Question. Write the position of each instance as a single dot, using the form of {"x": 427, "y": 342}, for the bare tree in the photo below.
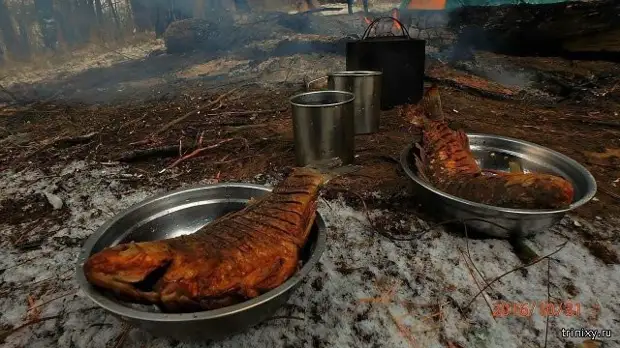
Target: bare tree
{"x": 9, "y": 34}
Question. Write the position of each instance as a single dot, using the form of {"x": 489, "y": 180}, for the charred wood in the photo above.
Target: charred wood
{"x": 575, "y": 30}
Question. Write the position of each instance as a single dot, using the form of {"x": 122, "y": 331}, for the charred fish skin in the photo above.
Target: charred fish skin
{"x": 446, "y": 162}
{"x": 236, "y": 257}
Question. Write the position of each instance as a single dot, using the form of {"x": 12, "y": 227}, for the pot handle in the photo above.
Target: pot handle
{"x": 313, "y": 81}
{"x": 372, "y": 24}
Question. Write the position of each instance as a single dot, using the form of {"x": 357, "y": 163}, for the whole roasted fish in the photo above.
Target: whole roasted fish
{"x": 446, "y": 161}
{"x": 234, "y": 258}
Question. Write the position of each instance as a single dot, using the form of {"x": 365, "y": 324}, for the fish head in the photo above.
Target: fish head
{"x": 130, "y": 270}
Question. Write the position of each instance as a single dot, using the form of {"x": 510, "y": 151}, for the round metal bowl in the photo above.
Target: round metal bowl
{"x": 497, "y": 152}
{"x": 183, "y": 212}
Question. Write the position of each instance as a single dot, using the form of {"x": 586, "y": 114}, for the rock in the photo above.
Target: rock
{"x": 54, "y": 200}
{"x": 189, "y": 35}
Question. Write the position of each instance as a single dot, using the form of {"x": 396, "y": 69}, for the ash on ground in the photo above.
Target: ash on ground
{"x": 366, "y": 290}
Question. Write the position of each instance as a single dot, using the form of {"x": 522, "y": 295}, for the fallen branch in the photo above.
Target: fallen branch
{"x": 199, "y": 150}
{"x": 70, "y": 141}
{"x": 516, "y": 269}
{"x": 163, "y": 151}
{"x": 247, "y": 112}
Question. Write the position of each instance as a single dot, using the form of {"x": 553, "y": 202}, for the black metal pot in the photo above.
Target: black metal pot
{"x": 400, "y": 58}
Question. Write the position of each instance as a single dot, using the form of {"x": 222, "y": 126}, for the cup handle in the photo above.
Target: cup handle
{"x": 313, "y": 81}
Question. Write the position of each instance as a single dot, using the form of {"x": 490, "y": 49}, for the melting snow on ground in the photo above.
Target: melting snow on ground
{"x": 366, "y": 290}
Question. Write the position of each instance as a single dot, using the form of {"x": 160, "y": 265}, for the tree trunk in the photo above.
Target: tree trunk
{"x": 62, "y": 15}
{"x": 558, "y": 29}
{"x": 47, "y": 23}
{"x": 9, "y": 34}
{"x": 114, "y": 15}
{"x": 24, "y": 38}
{"x": 142, "y": 14}
{"x": 99, "y": 13}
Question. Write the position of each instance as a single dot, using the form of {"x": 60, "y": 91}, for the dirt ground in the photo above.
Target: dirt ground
{"x": 248, "y": 127}
{"x": 242, "y": 131}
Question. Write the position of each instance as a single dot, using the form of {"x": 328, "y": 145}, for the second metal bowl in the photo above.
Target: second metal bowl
{"x": 497, "y": 152}
{"x": 183, "y": 212}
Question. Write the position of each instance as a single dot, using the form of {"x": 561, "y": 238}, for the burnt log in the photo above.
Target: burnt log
{"x": 577, "y": 30}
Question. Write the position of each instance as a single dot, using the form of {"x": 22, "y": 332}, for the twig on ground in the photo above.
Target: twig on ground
{"x": 52, "y": 299}
{"x": 247, "y": 112}
{"x": 548, "y": 299}
{"x": 207, "y": 106}
{"x": 163, "y": 151}
{"x": 198, "y": 151}
{"x": 69, "y": 141}
{"x": 416, "y": 236}
{"x": 18, "y": 264}
{"x": 4, "y": 335}
{"x": 120, "y": 339}
{"x": 284, "y": 317}
{"x": 403, "y": 329}
{"x": 469, "y": 255}
{"x": 471, "y": 272}
{"x": 516, "y": 269}
{"x": 33, "y": 313}
{"x": 609, "y": 192}
{"x": 385, "y": 298}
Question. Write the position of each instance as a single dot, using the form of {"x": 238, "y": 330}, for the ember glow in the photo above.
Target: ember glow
{"x": 385, "y": 25}
{"x": 427, "y": 5}
{"x": 396, "y": 15}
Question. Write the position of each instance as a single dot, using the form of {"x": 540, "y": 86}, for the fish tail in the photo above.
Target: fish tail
{"x": 331, "y": 168}
{"x": 431, "y": 104}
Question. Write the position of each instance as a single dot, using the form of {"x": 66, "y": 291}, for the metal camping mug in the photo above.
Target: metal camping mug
{"x": 366, "y": 86}
{"x": 323, "y": 126}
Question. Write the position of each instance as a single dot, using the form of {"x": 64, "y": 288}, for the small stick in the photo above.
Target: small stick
{"x": 469, "y": 255}
{"x": 471, "y": 272}
{"x": 247, "y": 112}
{"x": 196, "y": 152}
{"x": 609, "y": 193}
{"x": 517, "y": 269}
{"x": 182, "y": 118}
{"x": 403, "y": 329}
{"x": 52, "y": 299}
{"x": 548, "y": 299}
{"x": 284, "y": 317}
{"x": 25, "y": 325}
{"x": 121, "y": 337}
{"x": 417, "y": 235}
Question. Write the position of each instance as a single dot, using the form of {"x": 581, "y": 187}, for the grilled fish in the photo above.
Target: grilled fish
{"x": 234, "y": 258}
{"x": 446, "y": 162}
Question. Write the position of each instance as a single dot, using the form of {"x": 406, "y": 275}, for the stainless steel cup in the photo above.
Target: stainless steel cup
{"x": 323, "y": 127}
{"x": 366, "y": 86}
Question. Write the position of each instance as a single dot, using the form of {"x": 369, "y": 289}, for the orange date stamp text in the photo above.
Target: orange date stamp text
{"x": 542, "y": 308}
